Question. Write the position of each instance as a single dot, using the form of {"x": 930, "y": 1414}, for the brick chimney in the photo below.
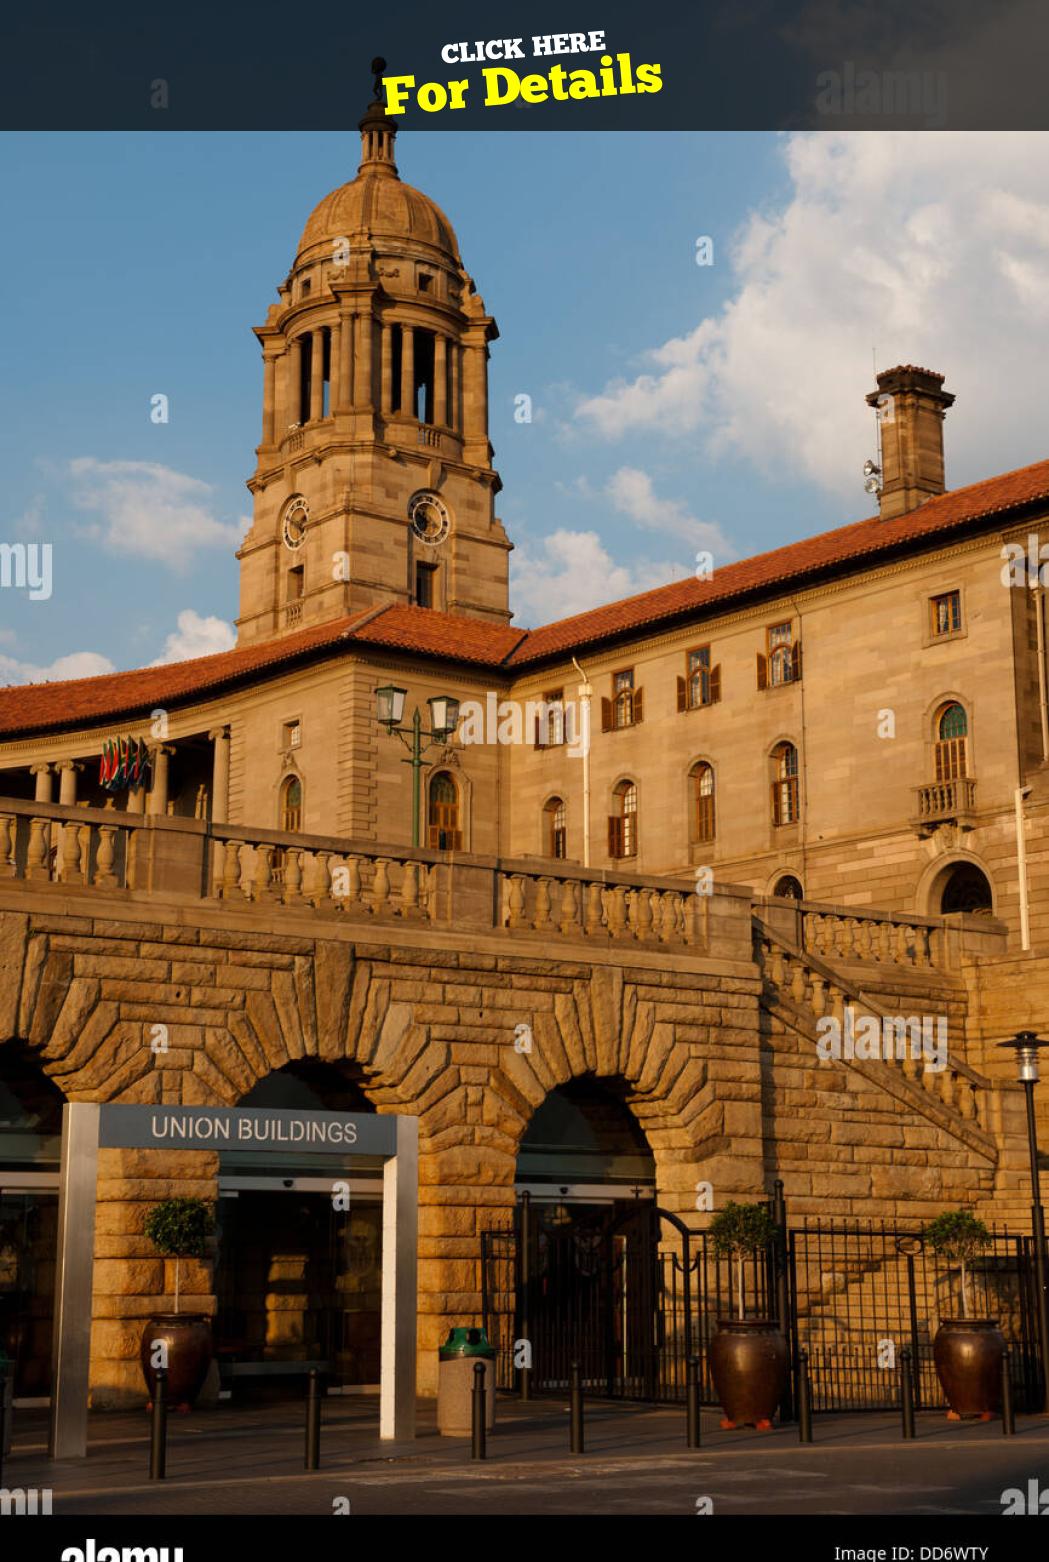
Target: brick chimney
{"x": 911, "y": 403}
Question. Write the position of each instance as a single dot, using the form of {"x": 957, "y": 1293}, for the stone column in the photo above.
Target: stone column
{"x": 440, "y": 379}
{"x": 43, "y": 782}
{"x": 295, "y": 409}
{"x": 220, "y": 775}
{"x": 67, "y": 771}
{"x": 454, "y": 418}
{"x": 269, "y": 377}
{"x": 346, "y": 330}
{"x": 158, "y": 795}
{"x": 475, "y": 392}
{"x": 336, "y": 365}
{"x": 365, "y": 323}
{"x": 317, "y": 376}
{"x": 407, "y": 372}
{"x": 387, "y": 369}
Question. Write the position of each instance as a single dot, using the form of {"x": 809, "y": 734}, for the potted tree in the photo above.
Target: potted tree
{"x": 181, "y": 1342}
{"x": 748, "y": 1356}
{"x": 967, "y": 1351}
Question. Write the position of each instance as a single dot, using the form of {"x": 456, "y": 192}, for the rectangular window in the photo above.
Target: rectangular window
{"x": 624, "y": 708}
{"x": 550, "y": 722}
{"x": 701, "y": 684}
{"x": 945, "y": 613}
{"x": 780, "y": 663}
{"x": 425, "y": 577}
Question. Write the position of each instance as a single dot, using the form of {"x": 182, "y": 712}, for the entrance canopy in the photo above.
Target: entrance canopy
{"x": 87, "y": 1128}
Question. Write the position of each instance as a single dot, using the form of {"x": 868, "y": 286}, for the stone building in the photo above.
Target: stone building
{"x": 588, "y": 939}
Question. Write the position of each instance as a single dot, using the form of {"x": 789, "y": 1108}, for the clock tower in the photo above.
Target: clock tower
{"x": 374, "y": 482}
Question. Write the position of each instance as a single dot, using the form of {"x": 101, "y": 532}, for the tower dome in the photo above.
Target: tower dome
{"x": 377, "y": 202}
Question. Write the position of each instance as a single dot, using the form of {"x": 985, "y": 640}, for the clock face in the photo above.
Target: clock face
{"x": 293, "y": 526}
{"x": 429, "y": 517}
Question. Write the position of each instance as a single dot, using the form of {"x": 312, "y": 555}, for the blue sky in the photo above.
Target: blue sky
{"x": 675, "y": 406}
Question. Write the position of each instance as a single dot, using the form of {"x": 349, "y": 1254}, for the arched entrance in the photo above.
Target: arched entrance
{"x": 966, "y": 888}
{"x": 586, "y": 1241}
{"x": 30, "y": 1149}
{"x": 298, "y": 1277}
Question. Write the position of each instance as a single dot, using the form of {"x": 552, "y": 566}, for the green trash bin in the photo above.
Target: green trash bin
{"x": 456, "y": 1358}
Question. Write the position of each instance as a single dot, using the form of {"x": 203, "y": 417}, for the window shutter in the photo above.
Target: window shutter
{"x": 606, "y": 715}
{"x": 715, "y": 684}
{"x": 615, "y": 836}
{"x": 763, "y": 671}
{"x": 682, "y": 694}
{"x": 638, "y": 708}
{"x": 795, "y": 662}
{"x": 775, "y": 802}
{"x": 536, "y": 737}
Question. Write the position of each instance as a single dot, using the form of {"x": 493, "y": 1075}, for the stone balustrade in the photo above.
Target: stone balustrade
{"x": 809, "y": 985}
{"x": 354, "y": 883}
{"x": 596, "y": 908}
{"x": 42, "y": 844}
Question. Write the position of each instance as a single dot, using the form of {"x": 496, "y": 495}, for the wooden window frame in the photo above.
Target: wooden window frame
{"x": 453, "y": 835}
{"x": 704, "y": 809}
{"x": 933, "y": 632}
{"x": 611, "y": 705}
{"x": 793, "y": 660}
{"x": 556, "y": 697}
{"x": 785, "y": 786}
{"x": 713, "y": 681}
{"x": 623, "y": 825}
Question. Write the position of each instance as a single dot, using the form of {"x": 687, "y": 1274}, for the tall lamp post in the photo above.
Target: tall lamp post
{"x": 1025, "y": 1044}
{"x": 444, "y": 718}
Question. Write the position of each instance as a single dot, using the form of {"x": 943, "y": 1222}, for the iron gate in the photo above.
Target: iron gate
{"x": 630, "y": 1291}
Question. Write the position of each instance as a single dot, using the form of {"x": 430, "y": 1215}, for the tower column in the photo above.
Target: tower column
{"x": 365, "y": 323}
{"x": 440, "y": 379}
{"x": 407, "y": 372}
{"x": 344, "y": 398}
{"x": 454, "y": 418}
{"x": 334, "y": 360}
{"x": 269, "y": 387}
{"x": 317, "y": 375}
{"x": 475, "y": 391}
{"x": 387, "y": 368}
{"x": 295, "y": 406}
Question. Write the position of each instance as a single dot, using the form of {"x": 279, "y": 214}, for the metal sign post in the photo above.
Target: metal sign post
{"x": 87, "y": 1127}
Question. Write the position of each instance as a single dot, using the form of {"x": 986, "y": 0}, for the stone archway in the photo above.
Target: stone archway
{"x": 960, "y": 883}
{"x": 584, "y": 1132}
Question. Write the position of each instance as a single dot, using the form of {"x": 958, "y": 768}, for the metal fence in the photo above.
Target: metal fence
{"x": 629, "y": 1291}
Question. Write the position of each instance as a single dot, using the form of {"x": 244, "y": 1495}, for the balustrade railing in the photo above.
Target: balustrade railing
{"x": 594, "y": 908}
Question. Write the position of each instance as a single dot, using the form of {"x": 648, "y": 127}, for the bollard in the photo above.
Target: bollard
{"x": 1008, "y": 1414}
{"x": 575, "y": 1393}
{"x": 906, "y": 1392}
{"x": 804, "y": 1398}
{"x": 158, "y": 1443}
{"x": 478, "y": 1407}
{"x": 313, "y": 1422}
{"x": 692, "y": 1400}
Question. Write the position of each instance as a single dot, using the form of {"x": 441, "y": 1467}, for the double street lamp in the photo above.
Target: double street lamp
{"x": 444, "y": 718}
{"x": 1026, "y": 1045}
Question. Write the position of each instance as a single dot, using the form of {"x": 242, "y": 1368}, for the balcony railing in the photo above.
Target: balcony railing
{"x": 946, "y": 802}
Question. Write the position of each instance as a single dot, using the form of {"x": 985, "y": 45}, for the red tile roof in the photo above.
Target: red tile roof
{"x": 82, "y": 702}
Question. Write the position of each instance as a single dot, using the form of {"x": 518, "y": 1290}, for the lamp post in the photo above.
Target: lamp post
{"x": 444, "y": 718}
{"x": 1025, "y": 1044}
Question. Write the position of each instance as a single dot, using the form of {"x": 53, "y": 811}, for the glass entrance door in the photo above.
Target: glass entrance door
{"x": 28, "y": 1246}
{"x": 298, "y": 1282}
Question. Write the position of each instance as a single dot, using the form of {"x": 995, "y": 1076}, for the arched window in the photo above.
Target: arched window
{"x": 622, "y": 821}
{"x": 784, "y": 784}
{"x": 703, "y": 816}
{"x": 291, "y": 804}
{"x": 951, "y": 743}
{"x": 789, "y": 888}
{"x": 445, "y": 830}
{"x": 555, "y": 821}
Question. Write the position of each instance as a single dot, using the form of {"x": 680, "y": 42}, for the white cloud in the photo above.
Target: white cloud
{"x": 931, "y": 248}
{"x": 632, "y": 493}
{"x": 78, "y": 664}
{"x": 569, "y": 572}
{"x": 196, "y": 636}
{"x": 150, "y": 511}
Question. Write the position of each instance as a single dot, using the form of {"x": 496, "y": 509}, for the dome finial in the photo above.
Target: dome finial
{"x": 377, "y": 130}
